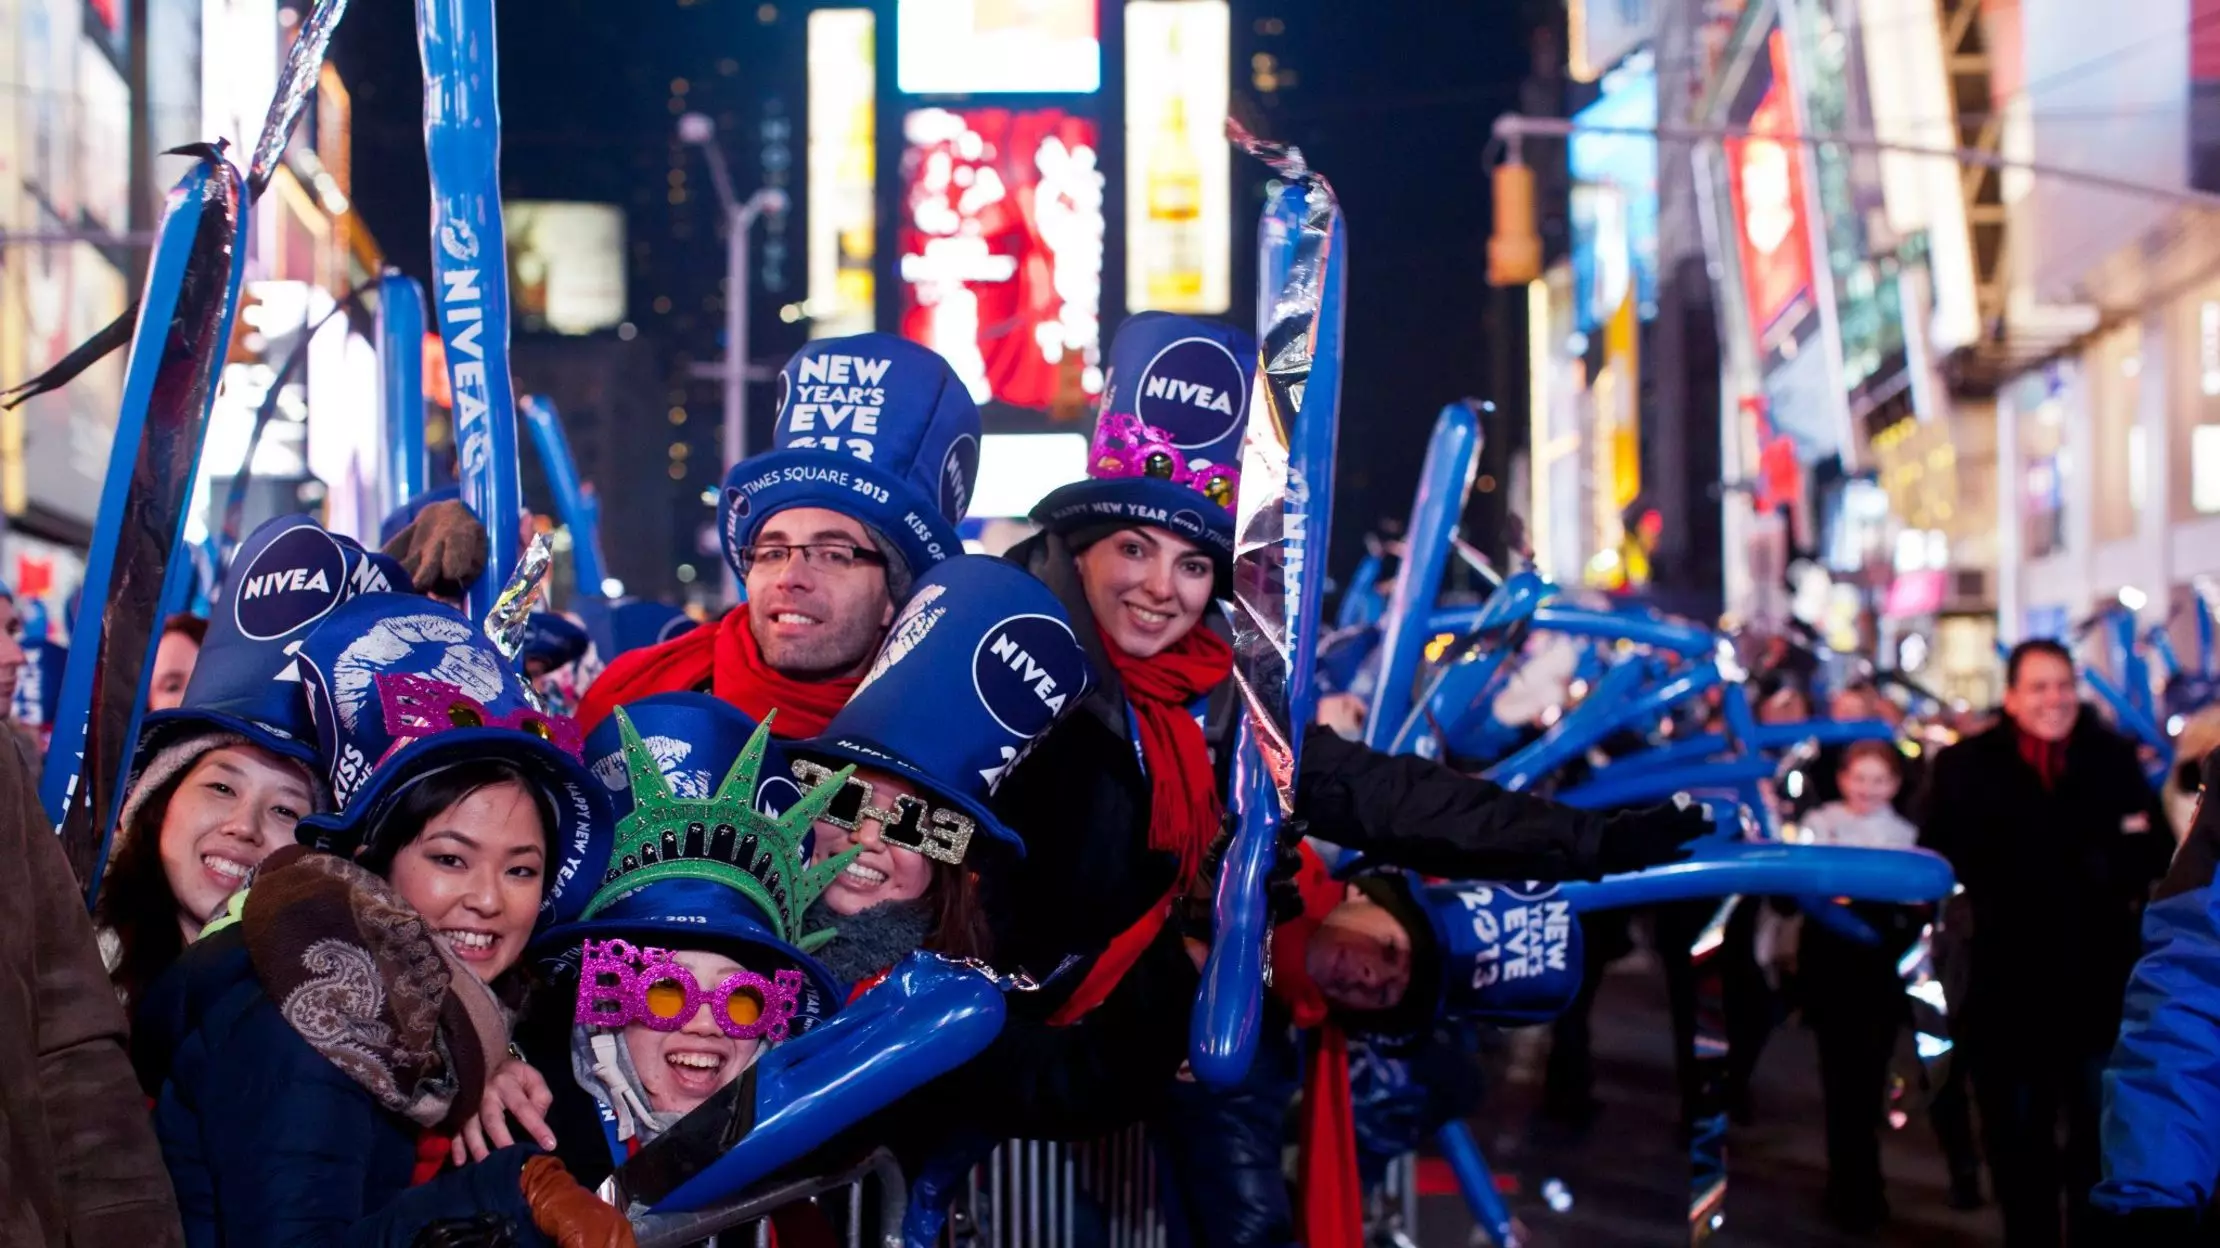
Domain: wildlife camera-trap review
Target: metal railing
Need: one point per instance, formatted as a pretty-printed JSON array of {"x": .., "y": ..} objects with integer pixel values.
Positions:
[
  {"x": 1044, "y": 1194},
  {"x": 673, "y": 1230}
]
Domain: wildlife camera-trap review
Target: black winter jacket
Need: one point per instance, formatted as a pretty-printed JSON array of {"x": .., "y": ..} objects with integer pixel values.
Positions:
[{"x": 2056, "y": 879}]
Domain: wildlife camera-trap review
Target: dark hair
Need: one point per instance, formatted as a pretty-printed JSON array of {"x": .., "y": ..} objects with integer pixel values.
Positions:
[
  {"x": 136, "y": 901},
  {"x": 2035, "y": 645},
  {"x": 420, "y": 801},
  {"x": 959, "y": 920},
  {"x": 1879, "y": 751},
  {"x": 187, "y": 623}
]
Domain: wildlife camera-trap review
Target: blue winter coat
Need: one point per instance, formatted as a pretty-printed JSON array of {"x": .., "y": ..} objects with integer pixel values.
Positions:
[{"x": 268, "y": 1143}]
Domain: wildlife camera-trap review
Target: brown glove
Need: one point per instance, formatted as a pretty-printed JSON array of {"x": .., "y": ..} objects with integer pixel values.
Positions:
[
  {"x": 569, "y": 1214},
  {"x": 443, "y": 549}
]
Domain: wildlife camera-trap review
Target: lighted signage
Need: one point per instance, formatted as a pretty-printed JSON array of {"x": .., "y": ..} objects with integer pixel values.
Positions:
[
  {"x": 1599, "y": 32},
  {"x": 103, "y": 139},
  {"x": 1017, "y": 470},
  {"x": 70, "y": 293},
  {"x": 234, "y": 102},
  {"x": 1177, "y": 185},
  {"x": 1001, "y": 249},
  {"x": 566, "y": 265},
  {"x": 1766, "y": 186},
  {"x": 842, "y": 224},
  {"x": 1614, "y": 209},
  {"x": 982, "y": 47}
]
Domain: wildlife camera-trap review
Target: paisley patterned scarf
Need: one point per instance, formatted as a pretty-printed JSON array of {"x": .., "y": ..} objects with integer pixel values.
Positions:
[{"x": 355, "y": 971}]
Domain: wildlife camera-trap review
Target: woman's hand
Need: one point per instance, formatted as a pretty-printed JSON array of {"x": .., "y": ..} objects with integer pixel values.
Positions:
[{"x": 517, "y": 1091}]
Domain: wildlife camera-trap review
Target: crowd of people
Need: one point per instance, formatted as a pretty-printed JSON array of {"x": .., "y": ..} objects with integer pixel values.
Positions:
[{"x": 388, "y": 948}]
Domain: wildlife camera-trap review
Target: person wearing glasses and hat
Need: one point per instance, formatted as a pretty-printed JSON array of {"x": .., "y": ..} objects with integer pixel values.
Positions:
[
  {"x": 1119, "y": 805},
  {"x": 337, "y": 1024},
  {"x": 873, "y": 459}
]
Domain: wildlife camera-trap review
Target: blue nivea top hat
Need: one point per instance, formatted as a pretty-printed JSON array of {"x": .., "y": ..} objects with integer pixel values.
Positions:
[
  {"x": 287, "y": 577},
  {"x": 405, "y": 515},
  {"x": 1167, "y": 446},
  {"x": 871, "y": 426},
  {"x": 620, "y": 627},
  {"x": 1508, "y": 954},
  {"x": 400, "y": 687},
  {"x": 978, "y": 666},
  {"x": 711, "y": 848},
  {"x": 553, "y": 640}
]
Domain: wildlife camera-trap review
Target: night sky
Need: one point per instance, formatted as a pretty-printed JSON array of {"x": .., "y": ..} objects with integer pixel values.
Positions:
[{"x": 1394, "y": 110}]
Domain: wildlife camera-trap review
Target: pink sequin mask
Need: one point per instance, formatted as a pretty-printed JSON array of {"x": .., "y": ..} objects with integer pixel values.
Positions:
[
  {"x": 1126, "y": 447},
  {"x": 417, "y": 707},
  {"x": 620, "y": 983}
]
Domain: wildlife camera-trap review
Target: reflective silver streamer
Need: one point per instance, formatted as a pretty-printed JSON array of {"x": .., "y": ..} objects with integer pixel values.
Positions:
[
  {"x": 526, "y": 587},
  {"x": 1265, "y": 587},
  {"x": 302, "y": 64}
]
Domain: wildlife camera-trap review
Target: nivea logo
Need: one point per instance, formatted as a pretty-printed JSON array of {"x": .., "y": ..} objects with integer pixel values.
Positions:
[
  {"x": 958, "y": 469},
  {"x": 776, "y": 795},
  {"x": 1194, "y": 391},
  {"x": 1024, "y": 670},
  {"x": 678, "y": 624},
  {"x": 293, "y": 582},
  {"x": 1187, "y": 524}
]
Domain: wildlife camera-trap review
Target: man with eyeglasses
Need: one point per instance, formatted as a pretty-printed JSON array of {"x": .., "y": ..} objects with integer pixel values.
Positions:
[{"x": 873, "y": 459}]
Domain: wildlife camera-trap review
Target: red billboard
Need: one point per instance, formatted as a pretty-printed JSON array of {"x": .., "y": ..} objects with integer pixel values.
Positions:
[
  {"x": 1001, "y": 241},
  {"x": 1765, "y": 182}
]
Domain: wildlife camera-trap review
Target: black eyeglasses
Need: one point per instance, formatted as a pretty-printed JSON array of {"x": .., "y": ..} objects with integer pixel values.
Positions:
[{"x": 837, "y": 556}]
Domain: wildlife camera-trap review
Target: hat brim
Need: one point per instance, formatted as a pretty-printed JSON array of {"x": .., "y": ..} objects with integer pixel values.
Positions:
[
  {"x": 865, "y": 753},
  {"x": 1145, "y": 501},
  {"x": 162, "y": 729},
  {"x": 760, "y": 488},
  {"x": 580, "y": 804},
  {"x": 746, "y": 940}
]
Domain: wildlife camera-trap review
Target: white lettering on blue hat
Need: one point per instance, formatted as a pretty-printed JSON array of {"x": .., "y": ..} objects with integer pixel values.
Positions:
[
  {"x": 1018, "y": 690},
  {"x": 958, "y": 469},
  {"x": 1194, "y": 391},
  {"x": 293, "y": 581},
  {"x": 836, "y": 402}
]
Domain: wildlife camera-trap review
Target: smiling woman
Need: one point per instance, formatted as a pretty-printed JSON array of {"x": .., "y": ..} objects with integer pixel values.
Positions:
[{"x": 467, "y": 847}]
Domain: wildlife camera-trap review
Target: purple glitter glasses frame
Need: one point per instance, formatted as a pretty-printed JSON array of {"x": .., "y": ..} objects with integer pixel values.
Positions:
[
  {"x": 620, "y": 983},
  {"x": 417, "y": 707},
  {"x": 1128, "y": 447}
]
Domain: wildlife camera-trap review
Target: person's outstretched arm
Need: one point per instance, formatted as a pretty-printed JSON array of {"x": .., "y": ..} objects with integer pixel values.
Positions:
[{"x": 1415, "y": 813}]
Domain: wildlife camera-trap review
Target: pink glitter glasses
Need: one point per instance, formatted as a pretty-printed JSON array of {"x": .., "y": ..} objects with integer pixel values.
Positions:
[
  {"x": 620, "y": 984},
  {"x": 417, "y": 707}
]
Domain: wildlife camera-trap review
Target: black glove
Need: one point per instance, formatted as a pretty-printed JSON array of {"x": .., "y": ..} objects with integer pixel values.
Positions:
[
  {"x": 487, "y": 1230},
  {"x": 1652, "y": 837},
  {"x": 1283, "y": 898}
]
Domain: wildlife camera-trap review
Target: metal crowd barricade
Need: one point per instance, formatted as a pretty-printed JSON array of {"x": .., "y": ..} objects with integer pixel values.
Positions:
[
  {"x": 750, "y": 1217},
  {"x": 1034, "y": 1193},
  {"x": 1391, "y": 1209}
]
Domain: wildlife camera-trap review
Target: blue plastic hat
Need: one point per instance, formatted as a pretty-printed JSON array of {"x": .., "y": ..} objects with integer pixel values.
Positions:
[
  {"x": 1510, "y": 954},
  {"x": 629, "y": 626},
  {"x": 978, "y": 666},
  {"x": 38, "y": 689},
  {"x": 400, "y": 686},
  {"x": 871, "y": 426},
  {"x": 405, "y": 515},
  {"x": 287, "y": 577},
  {"x": 553, "y": 640},
  {"x": 1167, "y": 446},
  {"x": 671, "y": 877}
]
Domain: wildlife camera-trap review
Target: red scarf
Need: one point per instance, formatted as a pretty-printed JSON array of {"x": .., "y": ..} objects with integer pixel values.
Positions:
[
  {"x": 2048, "y": 758},
  {"x": 1332, "y": 1194},
  {"x": 1184, "y": 807},
  {"x": 724, "y": 658}
]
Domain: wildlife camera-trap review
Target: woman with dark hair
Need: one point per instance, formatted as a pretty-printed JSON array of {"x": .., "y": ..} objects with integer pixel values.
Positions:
[
  {"x": 183, "y": 635},
  {"x": 334, "y": 1029}
]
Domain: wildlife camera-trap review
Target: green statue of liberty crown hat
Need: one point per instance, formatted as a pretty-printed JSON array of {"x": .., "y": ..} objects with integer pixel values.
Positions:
[{"x": 711, "y": 845}]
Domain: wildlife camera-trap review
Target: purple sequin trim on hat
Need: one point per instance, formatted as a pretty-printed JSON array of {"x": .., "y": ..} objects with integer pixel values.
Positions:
[{"x": 1126, "y": 448}]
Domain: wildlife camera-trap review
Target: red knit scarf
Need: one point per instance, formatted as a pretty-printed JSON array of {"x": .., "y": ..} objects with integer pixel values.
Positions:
[
  {"x": 2048, "y": 758},
  {"x": 1184, "y": 807},
  {"x": 724, "y": 658}
]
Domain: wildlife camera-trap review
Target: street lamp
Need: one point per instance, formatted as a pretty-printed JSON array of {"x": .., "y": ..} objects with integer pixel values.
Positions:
[{"x": 740, "y": 216}]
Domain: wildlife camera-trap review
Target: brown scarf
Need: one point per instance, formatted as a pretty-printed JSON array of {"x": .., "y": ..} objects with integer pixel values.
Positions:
[{"x": 355, "y": 970}]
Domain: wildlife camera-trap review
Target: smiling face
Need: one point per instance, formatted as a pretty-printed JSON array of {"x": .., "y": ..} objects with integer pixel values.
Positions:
[
  {"x": 680, "y": 1069},
  {"x": 1146, "y": 587},
  {"x": 882, "y": 872},
  {"x": 475, "y": 873},
  {"x": 809, "y": 620},
  {"x": 1868, "y": 784},
  {"x": 1360, "y": 957},
  {"x": 173, "y": 668},
  {"x": 234, "y": 807},
  {"x": 2044, "y": 697}
]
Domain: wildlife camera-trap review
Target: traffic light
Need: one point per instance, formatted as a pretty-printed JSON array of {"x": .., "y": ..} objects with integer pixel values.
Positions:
[{"x": 1515, "y": 249}]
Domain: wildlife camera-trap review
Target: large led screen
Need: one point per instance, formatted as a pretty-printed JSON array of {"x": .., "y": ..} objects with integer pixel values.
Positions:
[
  {"x": 1177, "y": 184},
  {"x": 566, "y": 265},
  {"x": 842, "y": 222},
  {"x": 986, "y": 47},
  {"x": 1001, "y": 249}
]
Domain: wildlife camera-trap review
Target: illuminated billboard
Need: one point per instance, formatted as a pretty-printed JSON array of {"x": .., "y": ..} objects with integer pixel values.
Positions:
[
  {"x": 1017, "y": 470},
  {"x": 1614, "y": 202},
  {"x": 988, "y": 47},
  {"x": 103, "y": 139},
  {"x": 1001, "y": 249},
  {"x": 566, "y": 265},
  {"x": 1765, "y": 182},
  {"x": 1177, "y": 183},
  {"x": 843, "y": 224}
]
